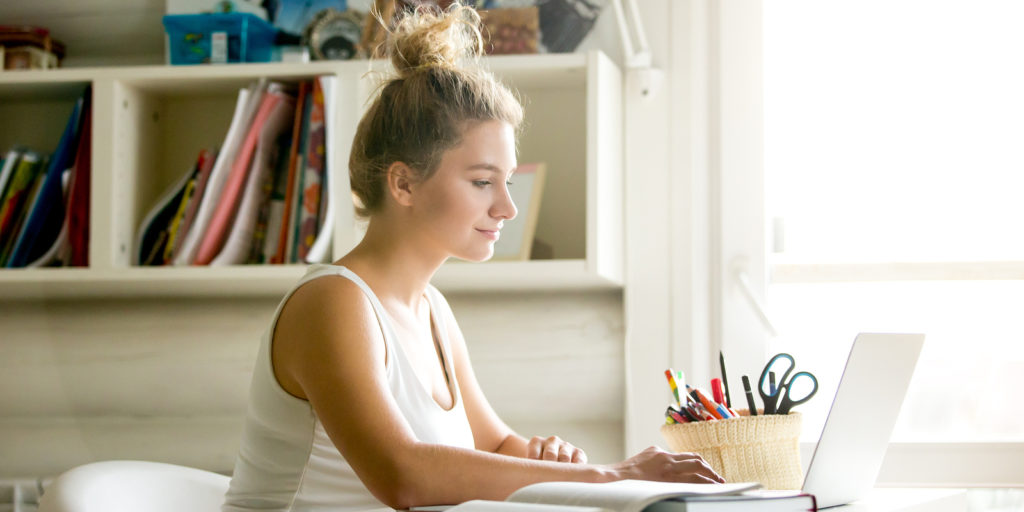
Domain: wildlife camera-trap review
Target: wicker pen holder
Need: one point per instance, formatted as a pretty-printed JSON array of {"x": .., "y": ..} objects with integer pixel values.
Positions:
[{"x": 763, "y": 448}]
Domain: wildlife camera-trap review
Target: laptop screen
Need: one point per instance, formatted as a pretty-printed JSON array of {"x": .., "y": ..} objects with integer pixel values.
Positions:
[{"x": 856, "y": 434}]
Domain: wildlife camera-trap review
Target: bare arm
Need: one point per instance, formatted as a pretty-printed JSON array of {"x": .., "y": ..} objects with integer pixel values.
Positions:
[{"x": 328, "y": 348}]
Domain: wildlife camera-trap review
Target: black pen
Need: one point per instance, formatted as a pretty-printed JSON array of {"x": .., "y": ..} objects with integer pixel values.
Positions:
[
  {"x": 750, "y": 396},
  {"x": 725, "y": 381}
]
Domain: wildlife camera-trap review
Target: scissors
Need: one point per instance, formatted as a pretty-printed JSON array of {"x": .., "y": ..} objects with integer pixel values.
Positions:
[{"x": 784, "y": 389}]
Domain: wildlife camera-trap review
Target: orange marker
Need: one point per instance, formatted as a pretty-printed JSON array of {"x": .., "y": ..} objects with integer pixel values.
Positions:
[{"x": 716, "y": 410}]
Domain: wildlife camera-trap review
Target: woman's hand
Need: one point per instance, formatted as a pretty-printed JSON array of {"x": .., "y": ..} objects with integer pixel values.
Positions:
[
  {"x": 553, "y": 449},
  {"x": 657, "y": 464}
]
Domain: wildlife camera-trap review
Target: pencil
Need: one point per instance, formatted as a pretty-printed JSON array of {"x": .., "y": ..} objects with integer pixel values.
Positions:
[{"x": 725, "y": 380}]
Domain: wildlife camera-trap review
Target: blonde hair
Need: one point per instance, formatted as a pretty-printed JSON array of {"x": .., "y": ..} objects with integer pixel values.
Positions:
[{"x": 433, "y": 97}]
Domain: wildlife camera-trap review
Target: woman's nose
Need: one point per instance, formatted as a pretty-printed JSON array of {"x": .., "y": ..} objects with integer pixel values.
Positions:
[{"x": 504, "y": 207}]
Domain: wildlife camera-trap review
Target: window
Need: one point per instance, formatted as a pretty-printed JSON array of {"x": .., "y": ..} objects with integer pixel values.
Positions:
[{"x": 894, "y": 173}]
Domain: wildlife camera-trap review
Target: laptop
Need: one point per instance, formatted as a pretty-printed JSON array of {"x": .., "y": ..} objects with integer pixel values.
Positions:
[{"x": 853, "y": 442}]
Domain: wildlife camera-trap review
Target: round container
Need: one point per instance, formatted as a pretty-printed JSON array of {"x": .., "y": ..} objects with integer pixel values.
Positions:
[{"x": 759, "y": 448}]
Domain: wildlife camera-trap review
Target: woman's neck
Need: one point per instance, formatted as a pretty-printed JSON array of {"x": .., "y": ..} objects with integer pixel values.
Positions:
[{"x": 393, "y": 264}]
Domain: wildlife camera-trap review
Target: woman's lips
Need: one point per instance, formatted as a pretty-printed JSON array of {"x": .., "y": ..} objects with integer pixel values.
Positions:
[{"x": 490, "y": 234}]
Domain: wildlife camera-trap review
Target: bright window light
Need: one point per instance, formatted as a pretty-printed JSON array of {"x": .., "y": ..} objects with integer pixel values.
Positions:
[
  {"x": 894, "y": 129},
  {"x": 893, "y": 133}
]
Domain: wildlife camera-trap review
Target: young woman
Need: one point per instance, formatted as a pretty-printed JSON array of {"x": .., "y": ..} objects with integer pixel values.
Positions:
[{"x": 363, "y": 394}]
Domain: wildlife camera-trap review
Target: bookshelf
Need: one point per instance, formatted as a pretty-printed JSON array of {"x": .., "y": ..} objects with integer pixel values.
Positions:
[{"x": 149, "y": 122}]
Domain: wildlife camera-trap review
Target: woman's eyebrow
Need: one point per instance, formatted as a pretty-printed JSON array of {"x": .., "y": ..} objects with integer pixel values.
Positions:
[{"x": 489, "y": 167}]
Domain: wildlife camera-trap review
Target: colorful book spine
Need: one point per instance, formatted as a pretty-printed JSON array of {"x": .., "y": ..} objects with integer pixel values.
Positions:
[
  {"x": 313, "y": 177},
  {"x": 205, "y": 166},
  {"x": 294, "y": 159},
  {"x": 179, "y": 214},
  {"x": 20, "y": 185},
  {"x": 7, "y": 169},
  {"x": 22, "y": 201},
  {"x": 320, "y": 251},
  {"x": 295, "y": 208},
  {"x": 267, "y": 227},
  {"x": 78, "y": 197}
]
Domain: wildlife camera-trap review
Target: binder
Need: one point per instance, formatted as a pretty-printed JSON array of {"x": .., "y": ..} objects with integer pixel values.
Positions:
[
  {"x": 153, "y": 233},
  {"x": 45, "y": 215},
  {"x": 245, "y": 107},
  {"x": 240, "y": 237},
  {"x": 77, "y": 218},
  {"x": 227, "y": 204}
]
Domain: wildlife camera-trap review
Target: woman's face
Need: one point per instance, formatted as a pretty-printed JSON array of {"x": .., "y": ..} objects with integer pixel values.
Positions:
[{"x": 465, "y": 202}]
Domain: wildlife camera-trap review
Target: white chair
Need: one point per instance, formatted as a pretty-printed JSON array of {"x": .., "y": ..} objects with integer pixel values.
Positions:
[{"x": 135, "y": 486}]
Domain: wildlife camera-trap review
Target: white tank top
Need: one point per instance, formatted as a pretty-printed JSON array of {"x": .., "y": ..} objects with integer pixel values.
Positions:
[{"x": 286, "y": 462}]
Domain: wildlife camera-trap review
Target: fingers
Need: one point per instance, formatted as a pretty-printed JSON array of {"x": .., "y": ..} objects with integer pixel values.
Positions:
[
  {"x": 554, "y": 449},
  {"x": 657, "y": 464},
  {"x": 550, "y": 451},
  {"x": 579, "y": 456},
  {"x": 534, "y": 448},
  {"x": 697, "y": 468}
]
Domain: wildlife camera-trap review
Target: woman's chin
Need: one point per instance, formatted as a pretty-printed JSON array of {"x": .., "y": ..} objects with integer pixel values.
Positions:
[{"x": 476, "y": 256}]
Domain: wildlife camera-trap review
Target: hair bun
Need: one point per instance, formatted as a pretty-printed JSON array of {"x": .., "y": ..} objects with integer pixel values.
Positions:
[{"x": 427, "y": 37}]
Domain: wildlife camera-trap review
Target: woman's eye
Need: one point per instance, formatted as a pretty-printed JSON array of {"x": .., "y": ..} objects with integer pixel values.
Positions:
[
  {"x": 481, "y": 183},
  {"x": 509, "y": 183}
]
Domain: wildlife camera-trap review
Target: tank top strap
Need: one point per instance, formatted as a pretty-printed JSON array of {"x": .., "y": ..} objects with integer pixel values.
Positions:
[{"x": 436, "y": 300}]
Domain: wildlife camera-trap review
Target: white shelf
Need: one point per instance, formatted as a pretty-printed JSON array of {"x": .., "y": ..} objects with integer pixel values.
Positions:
[
  {"x": 150, "y": 121},
  {"x": 546, "y": 275},
  {"x": 242, "y": 280},
  {"x": 275, "y": 280}
]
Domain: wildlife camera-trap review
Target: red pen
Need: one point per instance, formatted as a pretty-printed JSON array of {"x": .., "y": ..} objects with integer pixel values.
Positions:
[
  {"x": 716, "y": 390},
  {"x": 718, "y": 393}
]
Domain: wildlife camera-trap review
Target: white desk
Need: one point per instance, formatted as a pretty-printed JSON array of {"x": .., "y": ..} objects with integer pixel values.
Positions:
[
  {"x": 908, "y": 500},
  {"x": 879, "y": 500}
]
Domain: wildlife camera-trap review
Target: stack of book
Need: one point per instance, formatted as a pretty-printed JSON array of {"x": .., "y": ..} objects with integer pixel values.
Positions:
[
  {"x": 263, "y": 197},
  {"x": 44, "y": 198}
]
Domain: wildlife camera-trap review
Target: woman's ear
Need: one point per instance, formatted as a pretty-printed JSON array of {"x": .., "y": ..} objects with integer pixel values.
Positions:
[{"x": 401, "y": 181}]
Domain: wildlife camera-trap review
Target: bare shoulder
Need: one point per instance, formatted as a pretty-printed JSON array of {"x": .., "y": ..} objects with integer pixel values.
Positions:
[
  {"x": 326, "y": 298},
  {"x": 326, "y": 319}
]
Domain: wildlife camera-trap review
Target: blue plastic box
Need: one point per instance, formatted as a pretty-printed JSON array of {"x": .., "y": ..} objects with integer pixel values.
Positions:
[{"x": 218, "y": 38}]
